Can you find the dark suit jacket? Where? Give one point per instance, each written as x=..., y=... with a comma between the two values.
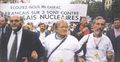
x=5, y=28
x=29, y=42
x=76, y=30
x=46, y=33
x=115, y=40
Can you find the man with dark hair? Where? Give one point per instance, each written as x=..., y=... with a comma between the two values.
x=81, y=29
x=114, y=35
x=42, y=32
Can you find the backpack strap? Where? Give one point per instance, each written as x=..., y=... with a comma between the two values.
x=83, y=47
x=56, y=47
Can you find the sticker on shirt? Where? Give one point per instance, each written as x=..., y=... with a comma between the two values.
x=61, y=60
x=96, y=55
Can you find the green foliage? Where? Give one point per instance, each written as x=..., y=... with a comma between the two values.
x=116, y=8
x=95, y=9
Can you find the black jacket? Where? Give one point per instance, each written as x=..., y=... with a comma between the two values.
x=115, y=40
x=29, y=42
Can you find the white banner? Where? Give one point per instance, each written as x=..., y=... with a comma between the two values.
x=45, y=12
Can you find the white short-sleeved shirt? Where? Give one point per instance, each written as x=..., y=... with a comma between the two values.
x=93, y=54
x=65, y=52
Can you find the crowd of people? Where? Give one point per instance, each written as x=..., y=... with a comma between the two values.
x=20, y=42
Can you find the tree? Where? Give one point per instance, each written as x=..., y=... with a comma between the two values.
x=95, y=9
x=115, y=9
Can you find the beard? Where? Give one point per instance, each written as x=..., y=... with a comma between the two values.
x=117, y=27
x=18, y=28
x=98, y=32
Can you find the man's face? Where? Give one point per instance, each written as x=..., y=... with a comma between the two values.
x=116, y=24
x=62, y=28
x=99, y=26
x=2, y=21
x=42, y=27
x=15, y=22
x=83, y=21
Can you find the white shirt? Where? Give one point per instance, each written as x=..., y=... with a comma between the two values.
x=93, y=54
x=65, y=51
x=117, y=33
x=42, y=37
x=11, y=39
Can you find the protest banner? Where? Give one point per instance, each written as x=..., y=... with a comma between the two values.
x=45, y=12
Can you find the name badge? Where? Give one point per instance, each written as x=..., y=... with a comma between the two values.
x=61, y=60
x=97, y=55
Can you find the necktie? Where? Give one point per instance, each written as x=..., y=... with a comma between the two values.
x=0, y=44
x=0, y=34
x=12, y=57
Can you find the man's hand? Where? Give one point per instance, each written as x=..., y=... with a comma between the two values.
x=79, y=33
x=81, y=60
x=109, y=54
x=34, y=54
x=25, y=59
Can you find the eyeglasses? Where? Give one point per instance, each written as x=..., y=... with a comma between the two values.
x=2, y=20
x=14, y=21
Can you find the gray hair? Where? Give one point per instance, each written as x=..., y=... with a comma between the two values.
x=98, y=18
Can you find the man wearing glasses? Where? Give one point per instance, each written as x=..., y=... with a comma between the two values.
x=20, y=43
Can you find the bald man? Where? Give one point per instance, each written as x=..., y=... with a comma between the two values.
x=26, y=42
